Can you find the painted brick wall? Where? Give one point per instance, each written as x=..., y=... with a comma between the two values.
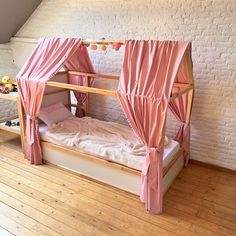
x=209, y=24
x=7, y=67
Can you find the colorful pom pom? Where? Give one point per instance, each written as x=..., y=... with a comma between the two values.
x=113, y=46
x=93, y=47
x=118, y=45
x=83, y=49
x=103, y=47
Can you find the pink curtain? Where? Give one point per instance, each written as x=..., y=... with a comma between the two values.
x=179, y=106
x=80, y=61
x=148, y=73
x=46, y=60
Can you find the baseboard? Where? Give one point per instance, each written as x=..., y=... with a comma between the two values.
x=212, y=166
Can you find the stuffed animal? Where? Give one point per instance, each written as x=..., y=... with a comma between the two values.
x=15, y=86
x=6, y=80
x=3, y=89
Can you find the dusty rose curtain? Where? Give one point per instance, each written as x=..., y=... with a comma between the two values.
x=46, y=60
x=148, y=73
x=179, y=106
x=80, y=61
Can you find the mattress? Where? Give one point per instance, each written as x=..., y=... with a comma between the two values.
x=107, y=140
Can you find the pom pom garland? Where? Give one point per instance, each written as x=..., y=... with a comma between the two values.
x=103, y=45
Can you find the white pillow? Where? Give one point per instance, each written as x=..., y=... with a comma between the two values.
x=53, y=114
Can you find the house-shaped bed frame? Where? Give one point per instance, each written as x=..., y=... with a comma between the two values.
x=123, y=177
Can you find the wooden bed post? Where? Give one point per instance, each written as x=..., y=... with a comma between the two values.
x=191, y=92
x=22, y=121
x=69, y=95
x=86, y=83
x=189, y=107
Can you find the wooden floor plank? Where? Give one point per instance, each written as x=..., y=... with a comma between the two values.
x=4, y=232
x=93, y=194
x=27, y=223
x=64, y=174
x=43, y=213
x=88, y=206
x=57, y=202
x=60, y=206
x=14, y=227
x=132, y=210
x=111, y=199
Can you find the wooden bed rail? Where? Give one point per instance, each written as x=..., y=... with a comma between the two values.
x=82, y=88
x=184, y=88
x=114, y=77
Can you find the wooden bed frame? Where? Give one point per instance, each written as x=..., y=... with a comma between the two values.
x=111, y=173
x=105, y=171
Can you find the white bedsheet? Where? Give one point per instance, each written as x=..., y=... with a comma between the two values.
x=107, y=140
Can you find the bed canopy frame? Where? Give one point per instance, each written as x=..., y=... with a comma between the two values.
x=179, y=90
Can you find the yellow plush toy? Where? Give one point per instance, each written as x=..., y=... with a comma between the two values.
x=6, y=80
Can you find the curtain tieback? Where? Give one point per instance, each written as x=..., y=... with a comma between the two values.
x=33, y=118
x=148, y=161
x=29, y=129
x=152, y=149
x=183, y=123
x=151, y=159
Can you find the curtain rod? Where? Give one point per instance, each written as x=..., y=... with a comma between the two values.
x=85, y=41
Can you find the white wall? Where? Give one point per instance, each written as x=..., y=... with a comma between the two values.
x=7, y=67
x=209, y=24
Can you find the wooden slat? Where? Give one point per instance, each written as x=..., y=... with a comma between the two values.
x=114, y=77
x=181, y=85
x=104, y=91
x=10, y=129
x=62, y=72
x=82, y=88
x=9, y=96
x=9, y=118
x=180, y=93
x=55, y=91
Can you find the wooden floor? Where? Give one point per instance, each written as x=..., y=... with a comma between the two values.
x=45, y=200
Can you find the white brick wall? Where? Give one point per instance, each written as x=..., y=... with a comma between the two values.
x=209, y=24
x=7, y=67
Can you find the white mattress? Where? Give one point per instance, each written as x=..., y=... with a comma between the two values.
x=106, y=140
